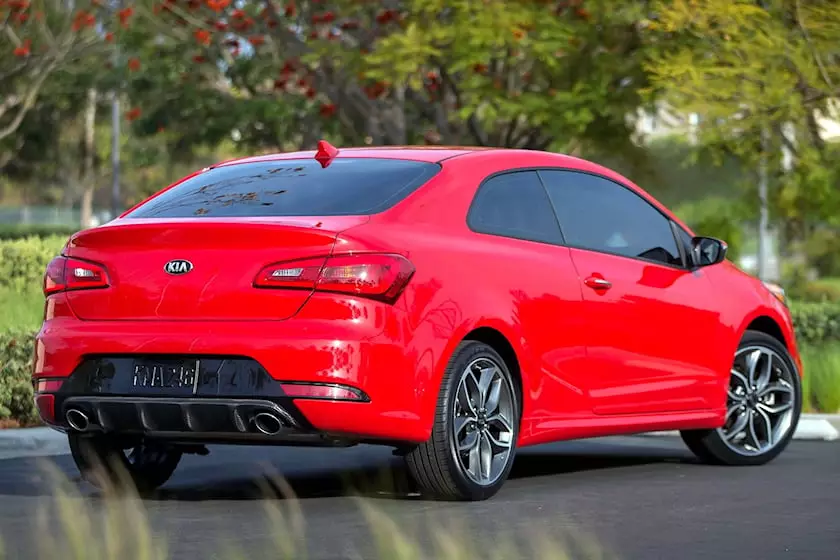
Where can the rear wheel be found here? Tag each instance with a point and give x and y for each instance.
(470, 453)
(763, 405)
(108, 463)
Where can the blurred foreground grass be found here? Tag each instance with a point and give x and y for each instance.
(116, 526)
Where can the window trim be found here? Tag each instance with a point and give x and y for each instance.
(482, 185)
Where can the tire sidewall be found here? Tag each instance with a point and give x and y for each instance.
(466, 354)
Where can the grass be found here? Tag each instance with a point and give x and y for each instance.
(116, 526)
(821, 382)
(21, 310)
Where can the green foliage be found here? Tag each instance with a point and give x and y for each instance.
(23, 261)
(816, 323)
(22, 231)
(716, 217)
(16, 393)
(821, 367)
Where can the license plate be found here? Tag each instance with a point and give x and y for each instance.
(167, 374)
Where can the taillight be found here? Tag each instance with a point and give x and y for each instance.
(332, 392)
(372, 275)
(65, 274)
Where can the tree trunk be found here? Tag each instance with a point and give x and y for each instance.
(88, 153)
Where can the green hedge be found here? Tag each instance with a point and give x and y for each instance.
(23, 261)
(816, 323)
(16, 394)
(18, 231)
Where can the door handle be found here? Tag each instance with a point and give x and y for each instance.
(597, 283)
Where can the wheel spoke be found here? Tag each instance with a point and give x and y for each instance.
(764, 372)
(738, 377)
(774, 410)
(500, 422)
(495, 393)
(462, 422)
(475, 459)
(738, 426)
(751, 430)
(779, 387)
(469, 442)
(486, 454)
(465, 399)
(484, 383)
(768, 425)
(752, 366)
(501, 442)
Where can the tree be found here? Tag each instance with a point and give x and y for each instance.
(761, 74)
(528, 74)
(36, 39)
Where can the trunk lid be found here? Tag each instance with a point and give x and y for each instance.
(224, 257)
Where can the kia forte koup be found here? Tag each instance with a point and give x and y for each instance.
(455, 304)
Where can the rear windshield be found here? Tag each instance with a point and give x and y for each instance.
(292, 188)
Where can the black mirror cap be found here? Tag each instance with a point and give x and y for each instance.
(708, 250)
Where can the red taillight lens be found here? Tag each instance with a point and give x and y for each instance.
(65, 273)
(377, 276)
(48, 385)
(323, 391)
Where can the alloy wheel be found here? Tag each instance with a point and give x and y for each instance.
(760, 401)
(483, 421)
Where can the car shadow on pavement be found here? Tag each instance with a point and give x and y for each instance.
(380, 478)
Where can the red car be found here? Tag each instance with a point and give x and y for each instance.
(454, 303)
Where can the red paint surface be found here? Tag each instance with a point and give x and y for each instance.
(650, 352)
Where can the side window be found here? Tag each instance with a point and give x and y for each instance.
(598, 214)
(514, 205)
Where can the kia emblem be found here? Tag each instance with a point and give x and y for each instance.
(178, 266)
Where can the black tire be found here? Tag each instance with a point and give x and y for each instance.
(710, 446)
(106, 464)
(434, 465)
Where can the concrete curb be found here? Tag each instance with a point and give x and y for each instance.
(46, 442)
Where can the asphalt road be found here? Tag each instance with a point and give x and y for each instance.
(639, 497)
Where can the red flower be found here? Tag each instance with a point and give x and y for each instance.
(327, 110)
(350, 24)
(279, 84)
(194, 4)
(291, 9)
(125, 15)
(218, 5)
(237, 14)
(479, 68)
(311, 93)
(386, 16)
(109, 37)
(256, 40)
(220, 25)
(202, 36)
(313, 35)
(134, 64)
(198, 59)
(22, 17)
(518, 34)
(24, 49)
(133, 114)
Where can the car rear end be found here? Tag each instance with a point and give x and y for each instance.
(223, 310)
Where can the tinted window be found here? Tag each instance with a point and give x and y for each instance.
(292, 188)
(597, 214)
(514, 205)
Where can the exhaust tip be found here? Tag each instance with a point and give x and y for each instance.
(268, 423)
(77, 419)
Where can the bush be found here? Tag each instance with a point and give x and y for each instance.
(19, 231)
(822, 377)
(22, 261)
(16, 393)
(816, 324)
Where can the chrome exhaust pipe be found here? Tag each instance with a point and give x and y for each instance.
(77, 419)
(268, 423)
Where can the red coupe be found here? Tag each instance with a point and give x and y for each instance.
(454, 303)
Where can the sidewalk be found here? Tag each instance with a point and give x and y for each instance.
(44, 442)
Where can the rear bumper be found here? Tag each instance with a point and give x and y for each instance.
(368, 351)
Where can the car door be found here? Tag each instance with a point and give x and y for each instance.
(648, 316)
(513, 216)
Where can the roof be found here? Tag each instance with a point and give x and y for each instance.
(431, 154)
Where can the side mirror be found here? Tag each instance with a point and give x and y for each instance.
(708, 251)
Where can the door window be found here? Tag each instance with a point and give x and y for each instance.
(601, 215)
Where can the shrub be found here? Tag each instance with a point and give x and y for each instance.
(22, 261)
(822, 377)
(16, 393)
(21, 231)
(816, 324)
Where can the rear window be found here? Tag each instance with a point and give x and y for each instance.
(292, 188)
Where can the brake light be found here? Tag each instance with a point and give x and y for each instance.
(333, 392)
(377, 276)
(65, 274)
